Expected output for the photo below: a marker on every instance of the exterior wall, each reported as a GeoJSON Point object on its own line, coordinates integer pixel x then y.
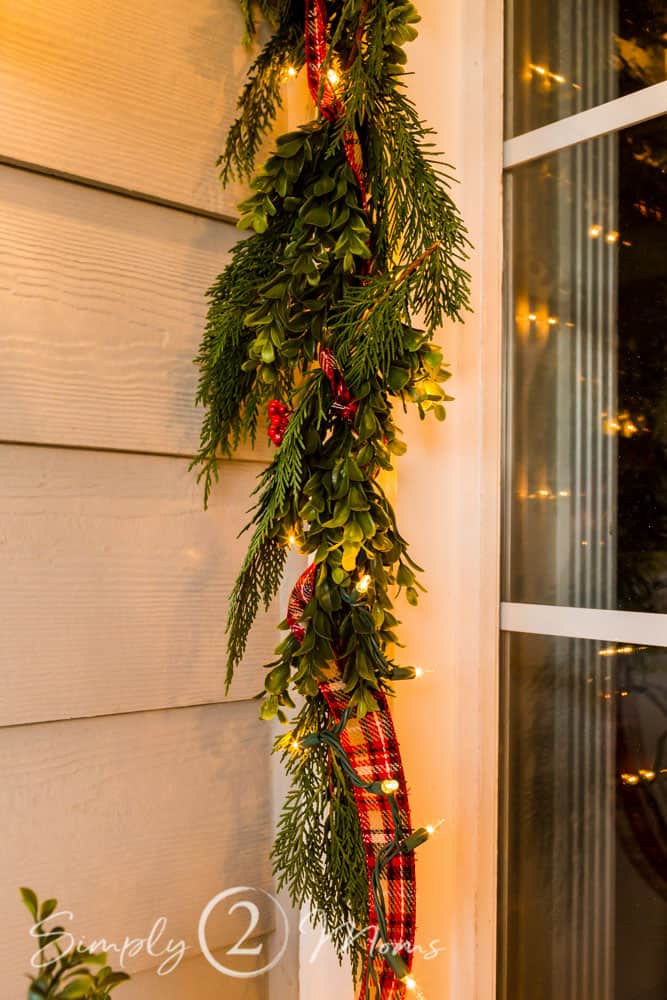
{"type": "Point", "coordinates": [130, 787]}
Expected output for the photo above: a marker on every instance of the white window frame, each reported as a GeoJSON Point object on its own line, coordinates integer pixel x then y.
{"type": "Point", "coordinates": [585, 623]}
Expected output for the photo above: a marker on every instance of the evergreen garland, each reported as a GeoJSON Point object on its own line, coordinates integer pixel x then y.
{"type": "Point", "coordinates": [368, 275]}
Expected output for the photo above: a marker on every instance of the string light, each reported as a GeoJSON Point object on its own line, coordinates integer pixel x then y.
{"type": "Point", "coordinates": [422, 672]}
{"type": "Point", "coordinates": [364, 583]}
{"type": "Point", "coordinates": [291, 540]}
{"type": "Point", "coordinates": [333, 77]}
{"type": "Point", "coordinates": [595, 231]}
{"type": "Point", "coordinates": [547, 74]}
{"type": "Point", "coordinates": [629, 779]}
{"type": "Point", "coordinates": [399, 844]}
{"type": "Point", "coordinates": [532, 317]}
{"type": "Point", "coordinates": [647, 775]}
{"type": "Point", "coordinates": [552, 321]}
{"type": "Point", "coordinates": [612, 237]}
{"type": "Point", "coordinates": [292, 71]}
{"type": "Point", "coordinates": [432, 830]}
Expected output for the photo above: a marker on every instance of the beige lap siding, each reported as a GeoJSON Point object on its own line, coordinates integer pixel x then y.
{"type": "Point", "coordinates": [133, 93]}
{"type": "Point", "coordinates": [118, 584]}
{"type": "Point", "coordinates": [130, 788]}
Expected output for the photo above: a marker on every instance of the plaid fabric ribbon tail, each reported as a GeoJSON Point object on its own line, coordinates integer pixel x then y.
{"type": "Point", "coordinates": [373, 750]}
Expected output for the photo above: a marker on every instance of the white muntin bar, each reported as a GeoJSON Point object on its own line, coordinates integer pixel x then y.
{"type": "Point", "coordinates": [617, 114]}
{"type": "Point", "coordinates": [634, 627]}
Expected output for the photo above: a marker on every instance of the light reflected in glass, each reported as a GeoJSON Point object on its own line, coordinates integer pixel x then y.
{"type": "Point", "coordinates": [568, 56]}
{"type": "Point", "coordinates": [586, 478]}
{"type": "Point", "coordinates": [584, 820]}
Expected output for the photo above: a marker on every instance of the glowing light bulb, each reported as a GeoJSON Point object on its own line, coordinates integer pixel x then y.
{"type": "Point", "coordinates": [629, 779]}
{"type": "Point", "coordinates": [540, 70]}
{"type": "Point", "coordinates": [295, 746]}
{"type": "Point", "coordinates": [364, 583]}
{"type": "Point", "coordinates": [333, 77]}
{"type": "Point", "coordinates": [532, 317]}
{"type": "Point", "coordinates": [647, 775]}
{"type": "Point", "coordinates": [390, 786]}
{"type": "Point", "coordinates": [419, 671]}
{"type": "Point", "coordinates": [292, 71]}
{"type": "Point", "coordinates": [431, 830]}
{"type": "Point", "coordinates": [552, 321]}
{"type": "Point", "coordinates": [410, 983]}
{"type": "Point", "coordinates": [558, 78]}
{"type": "Point", "coordinates": [291, 540]}
{"type": "Point", "coordinates": [595, 231]}
{"type": "Point", "coordinates": [612, 237]}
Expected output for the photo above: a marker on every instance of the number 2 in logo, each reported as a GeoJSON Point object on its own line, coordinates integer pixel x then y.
{"type": "Point", "coordinates": [239, 949]}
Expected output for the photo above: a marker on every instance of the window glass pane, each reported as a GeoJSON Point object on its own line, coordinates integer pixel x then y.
{"type": "Point", "coordinates": [566, 56]}
{"type": "Point", "coordinates": [586, 276]}
{"type": "Point", "coordinates": [584, 821]}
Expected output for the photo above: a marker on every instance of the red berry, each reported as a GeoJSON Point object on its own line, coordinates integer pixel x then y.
{"type": "Point", "coordinates": [274, 406]}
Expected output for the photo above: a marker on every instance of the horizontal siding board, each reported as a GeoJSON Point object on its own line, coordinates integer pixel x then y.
{"type": "Point", "coordinates": [102, 306]}
{"type": "Point", "coordinates": [197, 979]}
{"type": "Point", "coordinates": [135, 94]}
{"type": "Point", "coordinates": [131, 818]}
{"type": "Point", "coordinates": [117, 582]}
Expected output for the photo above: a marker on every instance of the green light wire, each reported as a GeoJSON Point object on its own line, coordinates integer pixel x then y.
{"type": "Point", "coordinates": [400, 843]}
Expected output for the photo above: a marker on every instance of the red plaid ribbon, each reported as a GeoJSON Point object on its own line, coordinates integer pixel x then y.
{"type": "Point", "coordinates": [322, 90]}
{"type": "Point", "coordinates": [343, 404]}
{"type": "Point", "coordinates": [372, 747]}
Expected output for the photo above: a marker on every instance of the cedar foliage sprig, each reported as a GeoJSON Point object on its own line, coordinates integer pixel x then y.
{"type": "Point", "coordinates": [369, 276]}
{"type": "Point", "coordinates": [318, 846]}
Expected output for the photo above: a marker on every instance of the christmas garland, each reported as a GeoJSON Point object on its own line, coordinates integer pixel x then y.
{"type": "Point", "coordinates": [314, 323]}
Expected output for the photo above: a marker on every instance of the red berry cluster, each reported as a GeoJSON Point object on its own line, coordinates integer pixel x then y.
{"type": "Point", "coordinates": [278, 419]}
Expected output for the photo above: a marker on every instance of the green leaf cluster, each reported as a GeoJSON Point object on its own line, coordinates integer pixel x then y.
{"type": "Point", "coordinates": [64, 973]}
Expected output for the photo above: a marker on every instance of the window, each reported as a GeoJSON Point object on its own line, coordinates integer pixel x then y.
{"type": "Point", "coordinates": [584, 729]}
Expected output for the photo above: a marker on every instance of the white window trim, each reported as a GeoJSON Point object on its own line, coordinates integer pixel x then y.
{"type": "Point", "coordinates": [617, 114]}
{"type": "Point", "coordinates": [568, 622]}
{"type": "Point", "coordinates": [634, 627]}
